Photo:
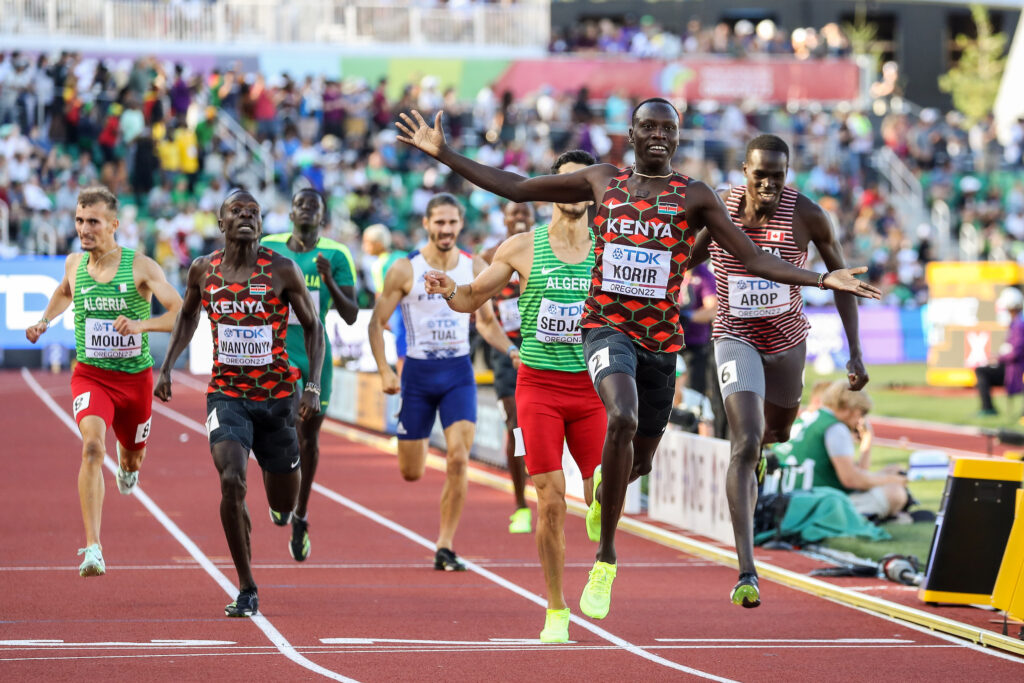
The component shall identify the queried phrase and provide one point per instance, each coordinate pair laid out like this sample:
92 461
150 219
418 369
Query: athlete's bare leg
515 465
459 437
551 533
231 460
130 461
282 490
412 458
745 410
309 451
90 475
618 393
777 422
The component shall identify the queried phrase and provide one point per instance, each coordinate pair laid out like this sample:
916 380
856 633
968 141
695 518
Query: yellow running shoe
597 595
594 511
521 521
556 626
746 592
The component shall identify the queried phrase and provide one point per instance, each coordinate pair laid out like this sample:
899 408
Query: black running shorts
267 428
609 351
504 374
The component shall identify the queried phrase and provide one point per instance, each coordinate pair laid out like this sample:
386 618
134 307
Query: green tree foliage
974 80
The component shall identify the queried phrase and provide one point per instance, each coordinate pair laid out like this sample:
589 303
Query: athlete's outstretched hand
856 374
438 283
419 134
162 390
844 280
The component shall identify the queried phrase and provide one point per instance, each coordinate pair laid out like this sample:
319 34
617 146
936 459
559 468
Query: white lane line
491 576
353 565
282 644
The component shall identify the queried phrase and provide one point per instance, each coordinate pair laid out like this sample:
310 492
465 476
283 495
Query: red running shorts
556 406
123 399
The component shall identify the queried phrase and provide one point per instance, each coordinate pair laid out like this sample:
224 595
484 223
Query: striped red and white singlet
767 315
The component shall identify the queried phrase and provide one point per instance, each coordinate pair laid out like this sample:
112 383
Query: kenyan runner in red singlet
630 342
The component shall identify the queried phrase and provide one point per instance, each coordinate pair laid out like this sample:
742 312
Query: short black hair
768 143
318 193
651 100
234 193
573 156
441 199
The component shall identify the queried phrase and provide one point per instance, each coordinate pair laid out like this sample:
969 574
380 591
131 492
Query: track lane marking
272 634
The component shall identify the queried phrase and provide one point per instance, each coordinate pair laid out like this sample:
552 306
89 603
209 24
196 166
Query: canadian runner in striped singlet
330 276
246 290
518 219
111 288
760 330
437 376
648 218
556 401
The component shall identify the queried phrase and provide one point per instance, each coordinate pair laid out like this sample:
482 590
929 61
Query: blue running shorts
430 386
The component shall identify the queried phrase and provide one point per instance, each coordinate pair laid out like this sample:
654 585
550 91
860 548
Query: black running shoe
298 546
446 560
245 605
280 518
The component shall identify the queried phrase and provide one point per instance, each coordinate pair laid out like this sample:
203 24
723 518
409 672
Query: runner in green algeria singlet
97 306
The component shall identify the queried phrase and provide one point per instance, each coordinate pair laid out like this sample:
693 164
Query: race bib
315 293
245 344
508 311
752 297
103 341
635 271
559 323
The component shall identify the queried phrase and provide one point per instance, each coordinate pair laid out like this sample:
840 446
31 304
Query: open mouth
246 228
658 149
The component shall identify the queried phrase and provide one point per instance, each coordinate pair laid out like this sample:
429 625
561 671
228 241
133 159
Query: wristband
510 349
821 280
312 387
45 320
452 295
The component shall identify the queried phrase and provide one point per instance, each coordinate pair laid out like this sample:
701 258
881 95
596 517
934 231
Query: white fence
526 23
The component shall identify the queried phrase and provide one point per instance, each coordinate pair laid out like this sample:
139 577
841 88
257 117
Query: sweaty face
95 226
518 218
240 218
579 208
443 225
655 134
766 176
307 209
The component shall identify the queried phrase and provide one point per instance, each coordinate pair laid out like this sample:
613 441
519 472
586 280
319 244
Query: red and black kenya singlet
249 324
767 315
506 308
641 248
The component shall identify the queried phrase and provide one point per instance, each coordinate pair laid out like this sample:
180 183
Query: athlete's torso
249 323
433 330
765 314
97 306
551 307
641 248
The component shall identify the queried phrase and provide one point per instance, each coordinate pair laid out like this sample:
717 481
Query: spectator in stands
1006 369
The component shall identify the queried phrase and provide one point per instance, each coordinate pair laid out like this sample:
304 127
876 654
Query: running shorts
778 378
267 428
300 361
609 351
559 407
504 374
123 399
431 386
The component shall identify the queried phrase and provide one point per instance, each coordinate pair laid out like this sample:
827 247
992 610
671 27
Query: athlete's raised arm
150 278
397 283
59 300
583 185
820 232
487 283
704 208
293 287
184 325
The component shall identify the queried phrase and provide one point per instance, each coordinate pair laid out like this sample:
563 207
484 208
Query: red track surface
369 584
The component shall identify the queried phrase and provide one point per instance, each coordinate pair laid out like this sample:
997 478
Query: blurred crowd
169 141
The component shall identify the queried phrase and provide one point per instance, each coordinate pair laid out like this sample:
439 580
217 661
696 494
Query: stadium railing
526 23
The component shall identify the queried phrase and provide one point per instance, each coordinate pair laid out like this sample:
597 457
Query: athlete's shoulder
275 238
327 244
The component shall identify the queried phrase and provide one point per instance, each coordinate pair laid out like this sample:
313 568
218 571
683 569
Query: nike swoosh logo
547 271
86 290
296 463
214 291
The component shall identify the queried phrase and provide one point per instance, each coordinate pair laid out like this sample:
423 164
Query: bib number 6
727 373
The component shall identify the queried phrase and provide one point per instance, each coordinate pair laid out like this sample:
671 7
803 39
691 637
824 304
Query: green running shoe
521 521
594 511
556 626
597 595
762 468
93 564
745 593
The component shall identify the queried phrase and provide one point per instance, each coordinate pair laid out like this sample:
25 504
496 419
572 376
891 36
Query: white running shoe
93 564
126 481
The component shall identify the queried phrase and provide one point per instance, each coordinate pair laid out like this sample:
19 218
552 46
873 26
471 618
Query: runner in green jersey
331 277
112 382
555 399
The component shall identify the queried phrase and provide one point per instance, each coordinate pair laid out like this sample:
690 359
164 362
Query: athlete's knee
410 472
640 468
745 444
622 421
232 484
551 511
456 465
93 451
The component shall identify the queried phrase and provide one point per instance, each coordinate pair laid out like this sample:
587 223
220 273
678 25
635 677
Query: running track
367 605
